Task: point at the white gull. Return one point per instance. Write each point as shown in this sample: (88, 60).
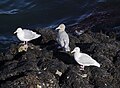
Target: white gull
(84, 59)
(26, 35)
(62, 37)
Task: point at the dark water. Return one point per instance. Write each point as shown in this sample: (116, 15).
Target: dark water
(41, 13)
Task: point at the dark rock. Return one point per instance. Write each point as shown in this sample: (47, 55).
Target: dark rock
(72, 78)
(101, 78)
(32, 80)
(45, 66)
(53, 65)
(48, 80)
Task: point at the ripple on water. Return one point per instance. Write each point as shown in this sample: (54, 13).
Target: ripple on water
(15, 6)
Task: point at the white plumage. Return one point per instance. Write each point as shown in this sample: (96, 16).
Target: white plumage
(84, 59)
(26, 35)
(62, 37)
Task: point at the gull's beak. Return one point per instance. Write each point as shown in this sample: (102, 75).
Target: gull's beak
(57, 28)
(15, 32)
(72, 51)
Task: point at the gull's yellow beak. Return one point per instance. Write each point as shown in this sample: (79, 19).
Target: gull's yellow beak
(72, 51)
(57, 28)
(15, 32)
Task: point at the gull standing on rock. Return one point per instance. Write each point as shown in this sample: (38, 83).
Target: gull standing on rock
(84, 59)
(62, 37)
(26, 35)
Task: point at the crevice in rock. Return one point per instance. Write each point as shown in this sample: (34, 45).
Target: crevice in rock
(12, 78)
(116, 57)
(18, 55)
(62, 78)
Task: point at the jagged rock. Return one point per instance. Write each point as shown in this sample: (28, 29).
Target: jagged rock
(48, 80)
(101, 78)
(73, 78)
(45, 66)
(53, 66)
(32, 80)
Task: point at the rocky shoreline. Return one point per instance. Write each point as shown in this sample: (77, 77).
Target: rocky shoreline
(43, 66)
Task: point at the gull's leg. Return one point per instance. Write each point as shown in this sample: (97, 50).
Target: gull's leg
(82, 67)
(26, 45)
(24, 42)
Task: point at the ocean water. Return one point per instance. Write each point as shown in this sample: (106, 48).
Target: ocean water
(33, 14)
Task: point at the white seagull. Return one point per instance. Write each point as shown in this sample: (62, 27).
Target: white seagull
(62, 37)
(26, 35)
(84, 59)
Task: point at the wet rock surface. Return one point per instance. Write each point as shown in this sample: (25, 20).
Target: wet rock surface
(44, 66)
